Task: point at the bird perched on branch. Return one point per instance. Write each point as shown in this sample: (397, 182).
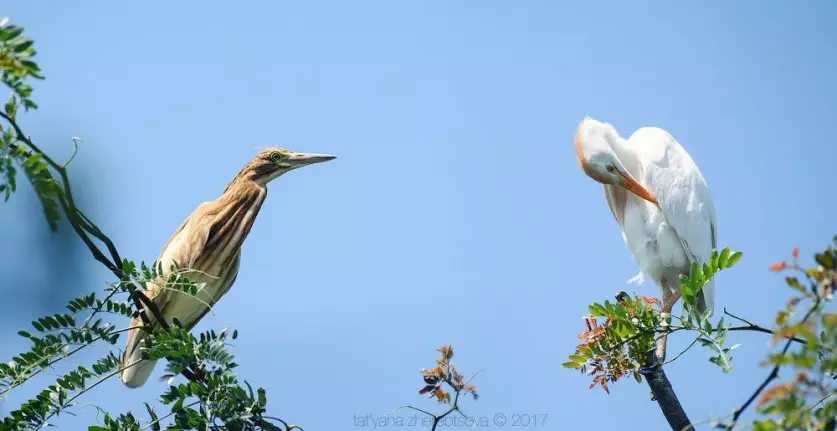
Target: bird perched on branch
(660, 200)
(208, 245)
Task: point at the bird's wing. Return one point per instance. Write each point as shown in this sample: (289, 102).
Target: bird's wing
(182, 247)
(682, 195)
(227, 283)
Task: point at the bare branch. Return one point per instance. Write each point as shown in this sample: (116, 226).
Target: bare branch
(750, 326)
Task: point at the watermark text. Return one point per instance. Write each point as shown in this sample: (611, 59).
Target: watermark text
(453, 420)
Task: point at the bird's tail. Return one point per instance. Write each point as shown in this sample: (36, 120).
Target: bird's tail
(135, 370)
(637, 279)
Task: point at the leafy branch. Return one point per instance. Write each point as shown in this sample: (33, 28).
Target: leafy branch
(436, 379)
(618, 345)
(620, 338)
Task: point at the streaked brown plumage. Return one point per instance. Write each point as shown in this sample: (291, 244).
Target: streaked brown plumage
(208, 245)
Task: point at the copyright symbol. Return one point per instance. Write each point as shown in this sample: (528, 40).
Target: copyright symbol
(499, 419)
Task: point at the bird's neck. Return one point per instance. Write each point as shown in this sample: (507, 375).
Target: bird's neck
(243, 182)
(627, 155)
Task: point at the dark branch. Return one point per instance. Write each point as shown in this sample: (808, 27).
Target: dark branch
(662, 391)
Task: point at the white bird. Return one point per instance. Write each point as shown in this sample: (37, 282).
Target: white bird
(660, 200)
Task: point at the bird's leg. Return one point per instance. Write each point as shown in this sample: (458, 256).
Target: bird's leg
(669, 299)
(668, 303)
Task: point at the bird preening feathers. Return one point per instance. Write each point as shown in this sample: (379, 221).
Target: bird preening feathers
(660, 200)
(208, 245)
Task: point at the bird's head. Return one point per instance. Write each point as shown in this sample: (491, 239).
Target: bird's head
(271, 163)
(594, 143)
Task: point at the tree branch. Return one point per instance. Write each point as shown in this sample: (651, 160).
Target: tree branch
(84, 228)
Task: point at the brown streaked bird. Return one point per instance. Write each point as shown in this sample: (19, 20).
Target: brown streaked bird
(208, 244)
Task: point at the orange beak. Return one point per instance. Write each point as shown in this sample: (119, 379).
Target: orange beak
(629, 183)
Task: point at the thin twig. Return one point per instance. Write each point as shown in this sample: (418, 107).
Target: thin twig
(821, 400)
(681, 352)
(750, 326)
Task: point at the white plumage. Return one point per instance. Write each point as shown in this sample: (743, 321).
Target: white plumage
(659, 198)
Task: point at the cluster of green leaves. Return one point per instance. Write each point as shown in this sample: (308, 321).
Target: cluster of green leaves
(16, 65)
(175, 279)
(16, 52)
(619, 336)
(59, 336)
(616, 347)
(709, 335)
(215, 398)
(807, 401)
(216, 401)
(699, 275)
(36, 413)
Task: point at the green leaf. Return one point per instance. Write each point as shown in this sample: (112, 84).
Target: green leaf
(11, 106)
(12, 32)
(705, 342)
(825, 260)
(722, 259)
(722, 362)
(578, 359)
(23, 45)
(178, 405)
(694, 273)
(570, 364)
(685, 286)
(597, 310)
(733, 259)
(262, 397)
(707, 270)
(713, 260)
(620, 311)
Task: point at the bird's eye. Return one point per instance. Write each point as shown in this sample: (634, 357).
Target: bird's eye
(610, 168)
(277, 157)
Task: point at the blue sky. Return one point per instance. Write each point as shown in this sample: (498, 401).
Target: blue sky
(456, 212)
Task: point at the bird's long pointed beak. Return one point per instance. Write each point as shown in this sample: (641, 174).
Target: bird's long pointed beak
(302, 159)
(626, 181)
